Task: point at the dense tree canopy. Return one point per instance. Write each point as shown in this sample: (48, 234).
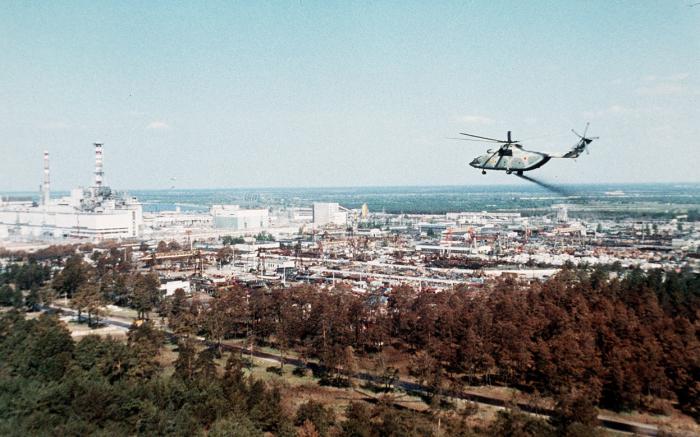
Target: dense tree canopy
(621, 339)
(51, 385)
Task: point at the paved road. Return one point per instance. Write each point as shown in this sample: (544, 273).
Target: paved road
(606, 422)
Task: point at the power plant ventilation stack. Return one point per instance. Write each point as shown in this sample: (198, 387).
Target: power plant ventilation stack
(46, 186)
(99, 173)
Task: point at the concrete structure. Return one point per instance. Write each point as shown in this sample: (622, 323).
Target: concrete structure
(434, 228)
(177, 219)
(96, 213)
(169, 287)
(329, 214)
(300, 214)
(562, 212)
(484, 217)
(237, 219)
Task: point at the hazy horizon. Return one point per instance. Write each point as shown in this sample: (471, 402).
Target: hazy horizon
(517, 184)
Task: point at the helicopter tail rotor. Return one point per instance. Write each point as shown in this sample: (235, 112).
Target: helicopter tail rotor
(582, 145)
(585, 141)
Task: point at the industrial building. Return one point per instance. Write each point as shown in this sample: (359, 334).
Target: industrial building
(234, 218)
(95, 213)
(176, 219)
(329, 214)
(481, 218)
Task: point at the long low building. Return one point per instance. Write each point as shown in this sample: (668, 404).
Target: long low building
(62, 221)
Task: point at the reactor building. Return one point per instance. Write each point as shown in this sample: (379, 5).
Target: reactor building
(94, 213)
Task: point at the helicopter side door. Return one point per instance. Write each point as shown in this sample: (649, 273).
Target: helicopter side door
(507, 158)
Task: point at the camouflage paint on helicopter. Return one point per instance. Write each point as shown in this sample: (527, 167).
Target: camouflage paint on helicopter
(512, 157)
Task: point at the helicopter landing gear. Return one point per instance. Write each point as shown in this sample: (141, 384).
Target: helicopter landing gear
(509, 171)
(520, 173)
(483, 171)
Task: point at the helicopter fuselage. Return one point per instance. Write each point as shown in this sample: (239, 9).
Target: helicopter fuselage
(511, 159)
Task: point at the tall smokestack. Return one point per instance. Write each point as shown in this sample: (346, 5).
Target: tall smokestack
(98, 165)
(46, 186)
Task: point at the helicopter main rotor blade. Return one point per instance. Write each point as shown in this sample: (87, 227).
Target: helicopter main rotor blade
(486, 138)
(469, 139)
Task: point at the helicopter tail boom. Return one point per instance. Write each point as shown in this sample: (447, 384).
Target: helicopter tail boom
(575, 151)
(578, 149)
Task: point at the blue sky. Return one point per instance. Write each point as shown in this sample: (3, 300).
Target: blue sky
(299, 93)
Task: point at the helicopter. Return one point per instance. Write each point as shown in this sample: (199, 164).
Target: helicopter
(511, 157)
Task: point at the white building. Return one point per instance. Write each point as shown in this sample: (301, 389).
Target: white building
(329, 214)
(562, 212)
(300, 214)
(96, 213)
(237, 219)
(61, 221)
(169, 287)
(177, 219)
(484, 217)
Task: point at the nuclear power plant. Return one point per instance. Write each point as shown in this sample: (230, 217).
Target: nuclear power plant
(95, 213)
